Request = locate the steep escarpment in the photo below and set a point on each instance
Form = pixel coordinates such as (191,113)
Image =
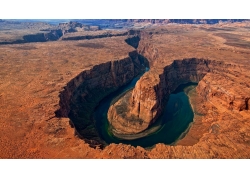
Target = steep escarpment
(44,32)
(83,93)
(104,35)
(133,36)
(52,35)
(149,96)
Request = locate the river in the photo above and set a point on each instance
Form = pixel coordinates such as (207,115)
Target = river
(174,121)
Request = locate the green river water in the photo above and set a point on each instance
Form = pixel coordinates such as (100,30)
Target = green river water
(174,121)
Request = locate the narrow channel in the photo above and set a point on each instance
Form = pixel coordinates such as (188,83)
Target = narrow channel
(175,120)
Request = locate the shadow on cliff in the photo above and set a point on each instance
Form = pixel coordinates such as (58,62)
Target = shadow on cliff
(53,35)
(83,93)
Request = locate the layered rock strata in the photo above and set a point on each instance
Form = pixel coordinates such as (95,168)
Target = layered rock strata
(83,93)
(144,105)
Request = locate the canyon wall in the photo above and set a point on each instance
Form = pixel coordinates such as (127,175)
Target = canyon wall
(58,33)
(105,35)
(147,100)
(83,93)
(53,35)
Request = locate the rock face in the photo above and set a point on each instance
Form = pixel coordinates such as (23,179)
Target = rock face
(230,95)
(104,35)
(53,35)
(136,110)
(133,37)
(144,105)
(83,93)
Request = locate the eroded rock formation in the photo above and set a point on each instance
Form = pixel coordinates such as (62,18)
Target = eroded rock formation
(83,93)
(144,105)
(232,95)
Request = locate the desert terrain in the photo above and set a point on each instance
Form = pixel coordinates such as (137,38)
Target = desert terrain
(50,86)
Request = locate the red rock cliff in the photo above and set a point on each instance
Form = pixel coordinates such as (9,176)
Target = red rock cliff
(83,93)
(145,104)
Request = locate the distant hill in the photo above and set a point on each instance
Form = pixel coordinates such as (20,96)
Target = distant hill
(121,23)
(179,21)
(118,23)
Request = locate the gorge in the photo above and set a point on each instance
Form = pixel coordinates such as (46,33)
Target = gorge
(146,103)
(169,127)
(138,109)
(55,96)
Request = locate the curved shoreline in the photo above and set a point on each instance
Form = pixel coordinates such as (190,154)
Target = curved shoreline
(156,126)
(145,133)
(191,123)
(162,131)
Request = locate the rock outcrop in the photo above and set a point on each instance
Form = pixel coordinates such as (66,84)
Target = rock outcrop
(144,105)
(222,89)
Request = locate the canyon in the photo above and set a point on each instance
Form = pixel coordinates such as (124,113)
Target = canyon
(82,94)
(145,104)
(50,90)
